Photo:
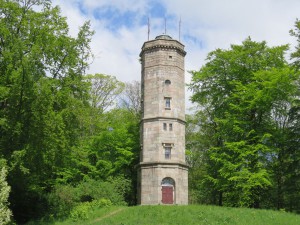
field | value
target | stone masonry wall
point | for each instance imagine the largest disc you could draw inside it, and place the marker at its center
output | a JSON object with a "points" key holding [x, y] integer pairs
{"points": [[162, 78]]}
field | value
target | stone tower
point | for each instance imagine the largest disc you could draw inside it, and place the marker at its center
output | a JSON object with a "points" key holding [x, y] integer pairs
{"points": [[163, 173]]}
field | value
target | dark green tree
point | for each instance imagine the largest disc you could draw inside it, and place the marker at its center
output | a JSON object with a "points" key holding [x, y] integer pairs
{"points": [[41, 98], [287, 140], [115, 150], [239, 90], [199, 139]]}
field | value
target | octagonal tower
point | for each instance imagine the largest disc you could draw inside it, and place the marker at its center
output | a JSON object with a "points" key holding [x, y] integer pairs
{"points": [[163, 173]]}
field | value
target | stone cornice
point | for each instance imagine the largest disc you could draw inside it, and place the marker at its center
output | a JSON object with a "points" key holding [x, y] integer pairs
{"points": [[163, 44], [145, 120], [156, 47], [162, 164]]}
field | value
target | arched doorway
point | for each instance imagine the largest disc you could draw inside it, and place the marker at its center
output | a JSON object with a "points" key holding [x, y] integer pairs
{"points": [[168, 190]]}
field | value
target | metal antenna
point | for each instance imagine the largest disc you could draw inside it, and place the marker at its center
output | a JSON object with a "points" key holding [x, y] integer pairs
{"points": [[148, 28], [165, 25], [179, 28]]}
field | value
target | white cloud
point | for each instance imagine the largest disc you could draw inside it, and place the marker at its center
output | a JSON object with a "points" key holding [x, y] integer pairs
{"points": [[206, 25], [122, 5]]}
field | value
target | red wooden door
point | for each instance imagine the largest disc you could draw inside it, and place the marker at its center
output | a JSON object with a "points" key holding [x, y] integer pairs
{"points": [[167, 194]]}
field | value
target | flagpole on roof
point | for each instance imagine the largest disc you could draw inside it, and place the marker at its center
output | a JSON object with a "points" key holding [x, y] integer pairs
{"points": [[179, 28], [148, 28], [165, 25]]}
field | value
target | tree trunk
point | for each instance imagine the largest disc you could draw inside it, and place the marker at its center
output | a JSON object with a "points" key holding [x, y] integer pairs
{"points": [[220, 198]]}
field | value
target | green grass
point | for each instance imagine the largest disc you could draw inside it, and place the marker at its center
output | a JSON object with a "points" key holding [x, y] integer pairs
{"points": [[184, 215]]}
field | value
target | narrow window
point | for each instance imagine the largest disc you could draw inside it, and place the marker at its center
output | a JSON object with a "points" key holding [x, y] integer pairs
{"points": [[170, 126], [165, 126], [168, 152], [167, 102], [170, 57]]}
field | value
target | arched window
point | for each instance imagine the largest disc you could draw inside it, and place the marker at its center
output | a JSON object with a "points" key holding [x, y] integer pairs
{"points": [[167, 181], [167, 82]]}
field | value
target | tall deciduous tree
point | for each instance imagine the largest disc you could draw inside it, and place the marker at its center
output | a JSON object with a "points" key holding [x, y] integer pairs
{"points": [[131, 97], [289, 139], [199, 133], [104, 90], [41, 98], [240, 89]]}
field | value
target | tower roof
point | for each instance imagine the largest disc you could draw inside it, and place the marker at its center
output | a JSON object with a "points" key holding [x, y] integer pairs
{"points": [[163, 37]]}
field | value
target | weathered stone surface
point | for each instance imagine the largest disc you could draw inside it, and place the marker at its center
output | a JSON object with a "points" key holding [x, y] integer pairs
{"points": [[162, 125]]}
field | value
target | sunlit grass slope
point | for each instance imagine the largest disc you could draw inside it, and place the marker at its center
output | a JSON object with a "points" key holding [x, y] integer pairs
{"points": [[192, 214]]}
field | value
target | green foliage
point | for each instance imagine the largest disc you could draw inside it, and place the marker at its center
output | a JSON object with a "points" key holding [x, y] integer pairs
{"points": [[62, 199], [239, 179], [93, 189], [245, 93], [67, 200], [296, 54], [83, 210], [198, 140], [109, 155], [42, 96], [80, 212], [104, 90], [55, 127]]}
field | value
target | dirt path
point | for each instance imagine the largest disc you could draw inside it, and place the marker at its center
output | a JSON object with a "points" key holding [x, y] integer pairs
{"points": [[107, 215]]}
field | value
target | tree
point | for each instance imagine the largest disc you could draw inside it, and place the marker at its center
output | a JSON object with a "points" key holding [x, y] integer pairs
{"points": [[41, 98], [199, 139], [104, 90], [239, 90], [114, 151], [287, 141], [131, 97], [115, 148], [296, 54]]}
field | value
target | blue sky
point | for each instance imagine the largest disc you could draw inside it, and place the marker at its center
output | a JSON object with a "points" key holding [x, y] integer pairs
{"points": [[116, 18], [121, 28]]}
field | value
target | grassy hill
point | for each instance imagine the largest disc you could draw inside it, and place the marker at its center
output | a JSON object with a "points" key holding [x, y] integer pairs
{"points": [[192, 214]]}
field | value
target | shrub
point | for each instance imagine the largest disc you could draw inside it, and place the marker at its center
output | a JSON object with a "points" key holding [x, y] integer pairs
{"points": [[93, 190], [101, 203], [81, 211], [62, 200], [66, 199], [5, 213]]}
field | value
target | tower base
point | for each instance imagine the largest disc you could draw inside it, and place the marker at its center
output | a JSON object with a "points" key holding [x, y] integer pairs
{"points": [[162, 183]]}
